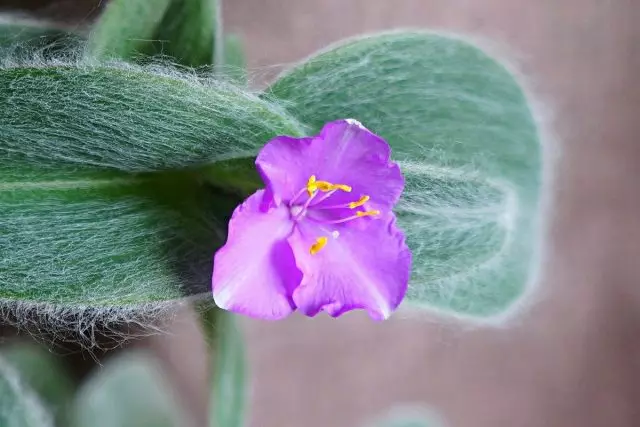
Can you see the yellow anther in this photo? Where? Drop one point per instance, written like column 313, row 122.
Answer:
column 312, row 186
column 360, row 202
column 320, row 243
column 325, row 186
column 342, row 187
column 367, row 213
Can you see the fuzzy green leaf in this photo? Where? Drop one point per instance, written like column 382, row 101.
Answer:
column 129, row 390
column 44, row 373
column 187, row 32
column 19, row 405
column 184, row 30
column 101, row 201
column 125, row 28
column 463, row 132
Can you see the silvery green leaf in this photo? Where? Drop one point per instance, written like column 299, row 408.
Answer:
column 44, row 373
column 104, row 208
column 19, row 405
column 129, row 390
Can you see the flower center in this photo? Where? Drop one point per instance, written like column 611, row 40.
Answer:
column 319, row 191
column 297, row 211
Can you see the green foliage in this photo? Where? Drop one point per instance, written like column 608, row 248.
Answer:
column 229, row 376
column 103, row 205
column 44, row 373
column 107, row 200
column 463, row 132
column 187, row 32
column 184, row 30
column 19, row 405
column 129, row 390
column 125, row 28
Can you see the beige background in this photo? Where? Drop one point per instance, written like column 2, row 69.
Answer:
column 574, row 358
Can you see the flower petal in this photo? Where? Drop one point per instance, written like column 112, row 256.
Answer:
column 345, row 152
column 282, row 164
column 255, row 272
column 366, row 269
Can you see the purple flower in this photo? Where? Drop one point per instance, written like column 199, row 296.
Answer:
column 322, row 235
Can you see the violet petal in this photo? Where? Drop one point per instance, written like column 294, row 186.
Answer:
column 367, row 269
column 344, row 153
column 255, row 272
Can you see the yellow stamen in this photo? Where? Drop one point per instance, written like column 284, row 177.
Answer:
column 360, row 202
column 320, row 243
column 367, row 213
column 312, row 186
column 345, row 188
column 325, row 186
